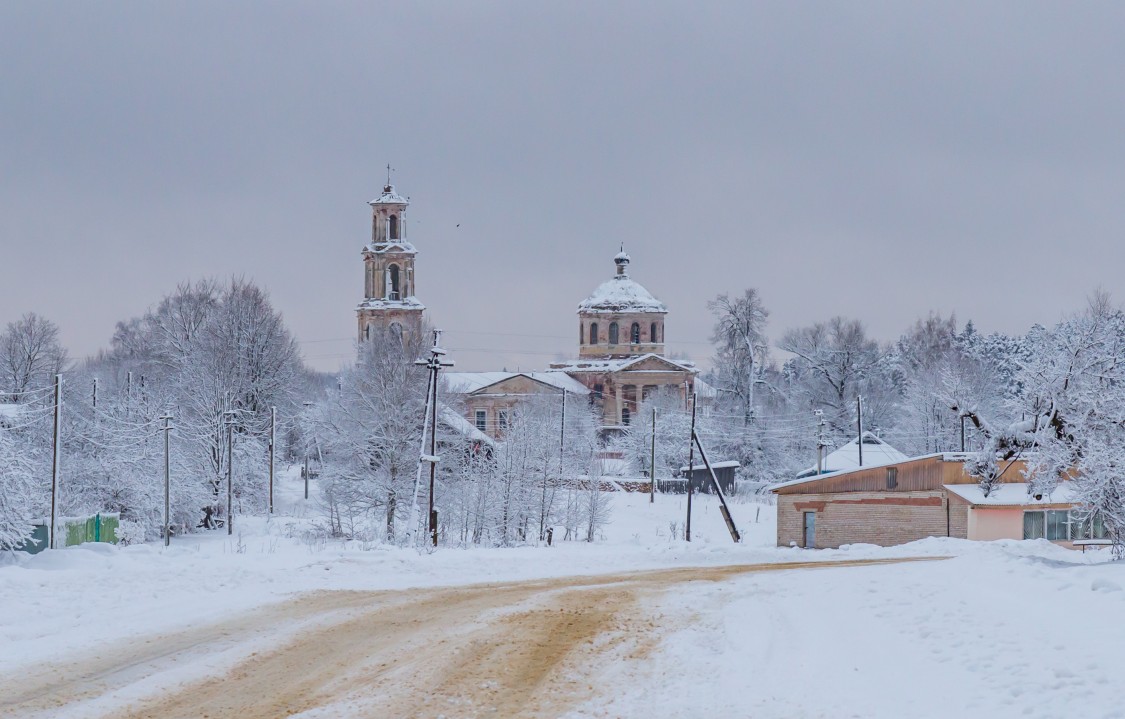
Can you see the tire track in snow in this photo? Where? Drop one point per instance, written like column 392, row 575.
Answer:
column 530, row 648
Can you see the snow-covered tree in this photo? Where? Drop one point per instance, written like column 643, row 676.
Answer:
column 741, row 348
column 30, row 356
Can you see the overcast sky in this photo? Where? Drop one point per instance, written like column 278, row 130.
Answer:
column 876, row 160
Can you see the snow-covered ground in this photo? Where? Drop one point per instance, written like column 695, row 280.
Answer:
column 999, row 629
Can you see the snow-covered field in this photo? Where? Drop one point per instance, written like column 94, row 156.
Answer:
column 999, row 629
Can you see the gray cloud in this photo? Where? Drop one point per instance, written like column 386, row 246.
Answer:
column 876, row 160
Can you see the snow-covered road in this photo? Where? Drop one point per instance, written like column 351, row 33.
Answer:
column 531, row 648
column 1001, row 629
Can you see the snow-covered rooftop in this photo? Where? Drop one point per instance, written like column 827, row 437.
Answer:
column 876, row 453
column 621, row 294
column 378, row 303
column 1014, row 494
column 456, row 422
column 714, row 465
column 469, row 382
column 393, row 246
column 614, row 365
column 389, row 197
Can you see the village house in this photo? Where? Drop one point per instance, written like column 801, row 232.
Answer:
column 888, row 502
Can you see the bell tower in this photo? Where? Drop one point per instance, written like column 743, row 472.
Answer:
column 388, row 271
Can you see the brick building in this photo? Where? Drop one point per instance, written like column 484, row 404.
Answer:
column 928, row 496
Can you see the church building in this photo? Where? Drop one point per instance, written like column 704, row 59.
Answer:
column 389, row 302
column 620, row 360
column 621, row 349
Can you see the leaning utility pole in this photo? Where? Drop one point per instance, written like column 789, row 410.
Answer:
column 859, row 425
column 718, row 490
column 690, row 469
column 55, row 461
column 273, row 439
column 652, row 462
column 167, row 479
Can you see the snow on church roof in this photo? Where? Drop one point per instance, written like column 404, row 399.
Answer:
column 389, row 197
column 621, row 294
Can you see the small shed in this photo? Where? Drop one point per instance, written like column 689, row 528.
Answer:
column 700, row 478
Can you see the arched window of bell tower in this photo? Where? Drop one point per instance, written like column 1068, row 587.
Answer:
column 394, row 227
column 613, row 333
column 635, row 334
column 593, row 333
column 652, row 337
column 394, row 294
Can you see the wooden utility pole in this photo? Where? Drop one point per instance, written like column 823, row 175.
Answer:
column 652, row 462
column 690, row 470
column 859, row 425
column 305, row 438
column 167, row 479
column 719, row 491
column 55, row 462
column 95, row 393
column 230, row 473
column 273, row 440
column 433, row 520
column 962, row 433
column 433, row 364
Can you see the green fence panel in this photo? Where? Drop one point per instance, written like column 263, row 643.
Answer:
column 75, row 532
column 110, row 522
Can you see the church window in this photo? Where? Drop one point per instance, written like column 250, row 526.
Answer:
column 613, row 333
column 652, row 333
column 635, row 334
column 593, row 333
column 599, row 391
column 394, row 282
column 396, row 331
column 394, row 227
column 367, row 332
column 626, row 416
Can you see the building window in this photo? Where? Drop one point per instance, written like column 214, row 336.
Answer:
column 502, row 420
column 482, row 420
column 626, row 416
column 593, row 333
column 613, row 333
column 1059, row 525
column 892, row 477
column 393, row 272
column 394, row 227
column 652, row 333
column 367, row 332
column 599, row 391
column 635, row 334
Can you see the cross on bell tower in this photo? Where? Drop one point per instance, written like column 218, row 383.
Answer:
column 389, row 302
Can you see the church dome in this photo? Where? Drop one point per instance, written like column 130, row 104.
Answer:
column 621, row 294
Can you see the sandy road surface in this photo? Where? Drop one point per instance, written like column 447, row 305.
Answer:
column 527, row 648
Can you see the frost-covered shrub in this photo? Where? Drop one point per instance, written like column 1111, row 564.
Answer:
column 130, row 531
